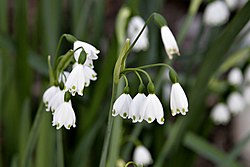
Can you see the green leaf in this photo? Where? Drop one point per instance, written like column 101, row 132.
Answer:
column 205, row 149
column 3, row 16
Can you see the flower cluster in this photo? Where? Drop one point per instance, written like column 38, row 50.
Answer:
column 148, row 107
column 139, row 108
column 57, row 97
column 236, row 101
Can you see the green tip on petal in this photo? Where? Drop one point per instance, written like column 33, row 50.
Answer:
column 125, row 114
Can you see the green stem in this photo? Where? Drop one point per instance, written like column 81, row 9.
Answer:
column 139, row 77
column 125, row 79
column 138, row 36
column 59, row 45
column 59, row 142
column 156, row 65
column 109, row 128
column 139, row 70
column 131, row 163
column 32, row 137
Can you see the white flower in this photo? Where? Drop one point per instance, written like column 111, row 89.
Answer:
column 63, row 77
column 232, row 4
column 236, row 103
column 216, row 13
column 178, row 100
column 56, row 100
column 79, row 77
column 134, row 27
column 235, row 77
column 169, row 42
column 89, row 49
column 152, row 109
column 142, row 156
column 246, row 94
column 220, row 114
column 136, row 106
column 64, row 116
column 121, row 105
column 48, row 95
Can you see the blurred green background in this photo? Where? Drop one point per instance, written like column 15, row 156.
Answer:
column 29, row 32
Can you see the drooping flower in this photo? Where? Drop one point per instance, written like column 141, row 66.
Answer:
column 235, row 77
column 56, row 100
column 169, row 42
column 216, row 13
column 136, row 107
column 89, row 49
column 64, row 116
column 220, row 114
column 121, row 105
column 48, row 95
column 134, row 27
column 79, row 77
column 152, row 109
column 236, row 103
column 178, row 100
column 142, row 156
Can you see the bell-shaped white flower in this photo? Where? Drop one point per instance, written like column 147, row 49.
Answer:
column 48, row 95
column 64, row 116
column 178, row 100
column 89, row 74
column 89, row 49
column 169, row 42
column 56, row 100
column 220, row 114
column 142, row 156
column 235, row 77
column 236, row 103
column 152, row 109
column 136, row 107
column 216, row 13
column 121, row 105
column 134, row 27
column 79, row 77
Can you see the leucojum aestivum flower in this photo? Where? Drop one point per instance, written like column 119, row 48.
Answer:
column 64, row 84
column 145, row 106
